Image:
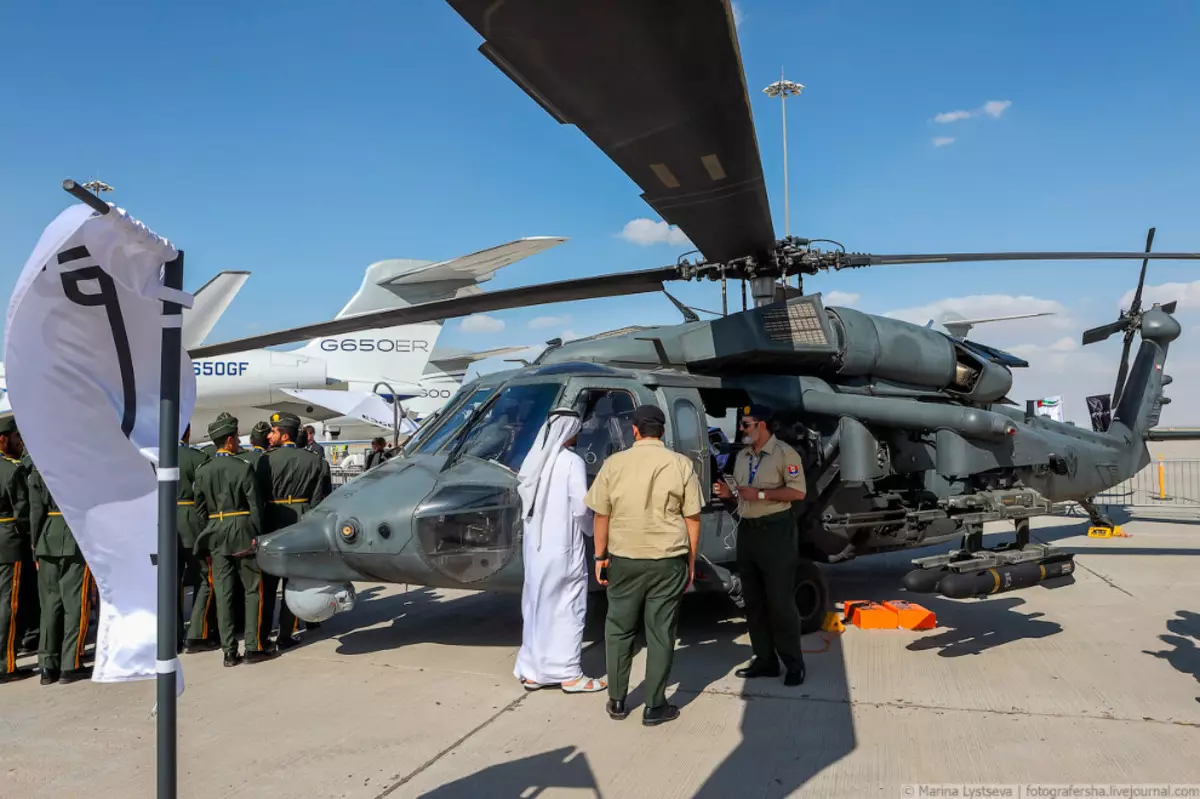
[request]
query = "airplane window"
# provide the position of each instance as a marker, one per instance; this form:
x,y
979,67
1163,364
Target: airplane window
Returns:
x,y
454,421
607,426
508,426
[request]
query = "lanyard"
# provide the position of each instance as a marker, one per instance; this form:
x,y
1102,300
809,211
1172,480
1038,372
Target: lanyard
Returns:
x,y
754,464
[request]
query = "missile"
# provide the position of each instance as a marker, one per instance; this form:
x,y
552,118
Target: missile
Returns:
x,y
925,581
1001,579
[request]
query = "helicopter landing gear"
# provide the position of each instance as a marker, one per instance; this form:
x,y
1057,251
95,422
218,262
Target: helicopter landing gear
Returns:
x,y
1098,519
812,596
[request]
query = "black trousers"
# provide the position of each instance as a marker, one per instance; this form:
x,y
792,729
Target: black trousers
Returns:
x,y
767,559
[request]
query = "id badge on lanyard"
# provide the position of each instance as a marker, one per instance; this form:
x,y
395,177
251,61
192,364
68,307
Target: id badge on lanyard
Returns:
x,y
754,464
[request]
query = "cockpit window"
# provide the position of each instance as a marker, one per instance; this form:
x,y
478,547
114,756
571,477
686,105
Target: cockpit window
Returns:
x,y
505,431
438,435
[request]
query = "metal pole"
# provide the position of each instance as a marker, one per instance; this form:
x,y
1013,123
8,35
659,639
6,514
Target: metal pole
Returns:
x,y
787,213
168,553
395,411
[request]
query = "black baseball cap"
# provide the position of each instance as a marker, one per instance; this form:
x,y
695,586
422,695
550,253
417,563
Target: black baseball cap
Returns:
x,y
760,412
648,414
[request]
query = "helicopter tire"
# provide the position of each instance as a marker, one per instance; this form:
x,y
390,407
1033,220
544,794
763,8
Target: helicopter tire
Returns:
x,y
812,595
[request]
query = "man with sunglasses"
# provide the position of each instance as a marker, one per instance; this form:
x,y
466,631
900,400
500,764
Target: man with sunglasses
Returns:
x,y
769,478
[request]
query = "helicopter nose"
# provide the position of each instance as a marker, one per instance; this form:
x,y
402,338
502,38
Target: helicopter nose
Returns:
x,y
304,550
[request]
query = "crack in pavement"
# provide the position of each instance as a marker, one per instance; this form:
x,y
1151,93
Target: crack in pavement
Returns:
x,y
919,706
400,783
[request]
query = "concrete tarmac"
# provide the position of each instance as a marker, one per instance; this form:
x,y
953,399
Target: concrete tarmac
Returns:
x,y
412,695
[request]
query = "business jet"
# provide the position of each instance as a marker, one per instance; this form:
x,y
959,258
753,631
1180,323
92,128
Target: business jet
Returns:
x,y
331,379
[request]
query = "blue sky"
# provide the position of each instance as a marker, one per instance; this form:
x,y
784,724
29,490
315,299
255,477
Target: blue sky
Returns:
x,y
303,141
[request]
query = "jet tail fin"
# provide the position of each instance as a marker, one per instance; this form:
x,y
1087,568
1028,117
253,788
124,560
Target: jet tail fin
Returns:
x,y
210,303
456,362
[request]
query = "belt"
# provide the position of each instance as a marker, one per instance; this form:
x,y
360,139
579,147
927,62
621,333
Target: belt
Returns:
x,y
228,513
289,501
8,519
54,513
186,502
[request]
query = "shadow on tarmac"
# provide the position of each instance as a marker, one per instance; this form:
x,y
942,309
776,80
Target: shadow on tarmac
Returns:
x,y
1184,634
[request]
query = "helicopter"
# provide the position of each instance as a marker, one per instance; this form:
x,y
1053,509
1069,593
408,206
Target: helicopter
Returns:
x,y
906,432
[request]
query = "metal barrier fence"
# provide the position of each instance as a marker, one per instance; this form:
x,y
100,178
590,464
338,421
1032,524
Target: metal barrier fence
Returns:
x,y
1164,483
340,475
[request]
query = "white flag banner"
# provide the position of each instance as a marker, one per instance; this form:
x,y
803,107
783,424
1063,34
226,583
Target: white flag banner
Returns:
x,y
1046,406
82,362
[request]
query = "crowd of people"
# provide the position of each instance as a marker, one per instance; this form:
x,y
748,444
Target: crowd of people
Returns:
x,y
227,497
643,513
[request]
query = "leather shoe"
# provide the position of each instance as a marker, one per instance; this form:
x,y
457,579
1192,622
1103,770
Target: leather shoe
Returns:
x,y
616,709
659,715
232,659
261,656
757,669
50,676
75,675
794,677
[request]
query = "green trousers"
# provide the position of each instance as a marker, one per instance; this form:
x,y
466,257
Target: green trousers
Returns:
x,y
637,588
64,588
11,576
227,572
197,572
767,560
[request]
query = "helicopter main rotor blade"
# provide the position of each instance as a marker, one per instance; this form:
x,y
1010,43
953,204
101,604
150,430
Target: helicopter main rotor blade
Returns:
x,y
1136,305
1123,369
658,86
1102,332
586,288
855,259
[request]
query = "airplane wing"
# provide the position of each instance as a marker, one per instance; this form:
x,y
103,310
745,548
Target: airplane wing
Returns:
x,y
324,404
960,327
211,300
456,363
460,276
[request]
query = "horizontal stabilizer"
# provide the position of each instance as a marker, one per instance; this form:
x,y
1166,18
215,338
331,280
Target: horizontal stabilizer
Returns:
x,y
456,362
324,404
210,303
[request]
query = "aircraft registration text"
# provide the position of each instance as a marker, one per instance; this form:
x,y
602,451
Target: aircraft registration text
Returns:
x,y
220,368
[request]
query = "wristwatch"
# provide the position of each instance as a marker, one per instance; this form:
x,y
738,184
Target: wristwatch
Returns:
x,y
599,558
762,495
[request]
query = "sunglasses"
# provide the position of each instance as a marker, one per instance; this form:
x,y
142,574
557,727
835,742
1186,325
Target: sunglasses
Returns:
x,y
747,425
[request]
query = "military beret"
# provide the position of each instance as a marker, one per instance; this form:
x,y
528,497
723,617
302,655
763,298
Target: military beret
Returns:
x,y
760,412
260,429
285,419
651,414
222,428
8,424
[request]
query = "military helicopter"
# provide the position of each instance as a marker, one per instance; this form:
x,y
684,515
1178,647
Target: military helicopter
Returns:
x,y
908,437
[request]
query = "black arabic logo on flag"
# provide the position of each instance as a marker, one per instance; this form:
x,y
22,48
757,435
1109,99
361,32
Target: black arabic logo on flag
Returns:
x,y
106,296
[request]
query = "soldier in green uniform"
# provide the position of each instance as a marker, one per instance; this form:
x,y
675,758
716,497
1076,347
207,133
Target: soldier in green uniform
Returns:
x,y
769,477
64,585
291,480
647,529
15,545
195,567
259,443
210,449
30,618
226,492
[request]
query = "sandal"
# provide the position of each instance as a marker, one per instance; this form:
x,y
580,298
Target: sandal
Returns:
x,y
530,685
584,685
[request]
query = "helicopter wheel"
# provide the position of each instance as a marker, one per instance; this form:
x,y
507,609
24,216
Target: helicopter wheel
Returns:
x,y
812,596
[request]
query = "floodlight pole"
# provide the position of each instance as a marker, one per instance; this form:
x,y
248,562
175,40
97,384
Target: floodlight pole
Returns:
x,y
166,560
784,89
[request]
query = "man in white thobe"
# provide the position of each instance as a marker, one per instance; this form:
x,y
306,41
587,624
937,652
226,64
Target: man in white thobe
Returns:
x,y
554,599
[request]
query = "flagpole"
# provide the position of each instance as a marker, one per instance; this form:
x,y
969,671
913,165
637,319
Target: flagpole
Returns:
x,y
167,559
168,543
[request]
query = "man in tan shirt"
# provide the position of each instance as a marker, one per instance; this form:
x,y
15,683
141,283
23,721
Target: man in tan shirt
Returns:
x,y
647,503
769,477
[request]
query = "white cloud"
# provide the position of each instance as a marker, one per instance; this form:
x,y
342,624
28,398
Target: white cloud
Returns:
x,y
942,141
738,14
540,322
992,108
952,116
845,299
646,232
986,306
481,323
1187,294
